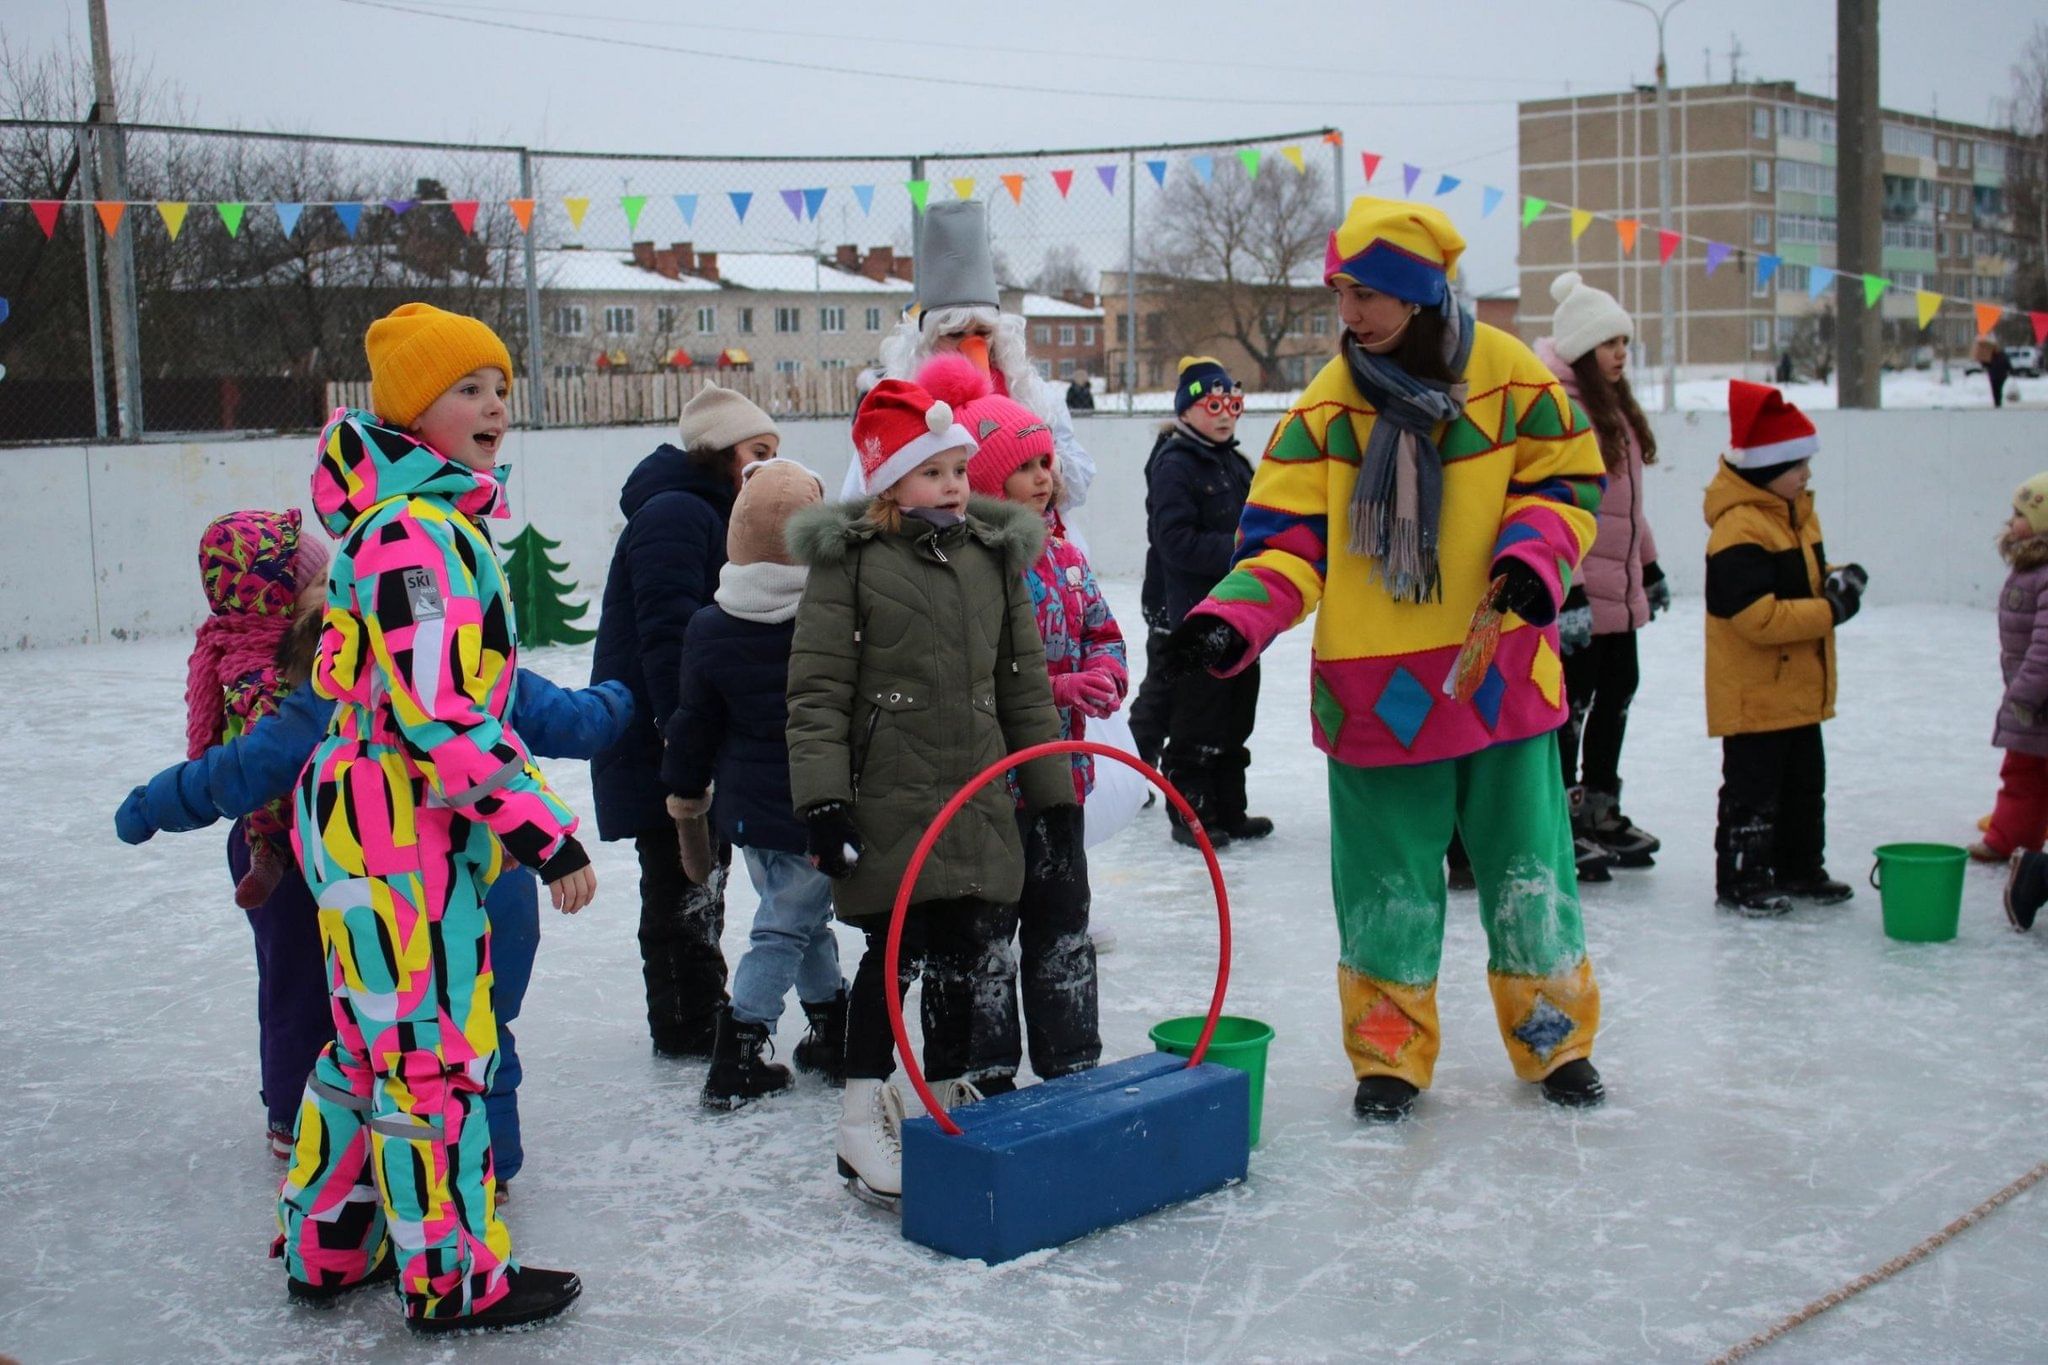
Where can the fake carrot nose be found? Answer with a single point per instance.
(975, 348)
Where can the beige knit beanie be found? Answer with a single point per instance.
(1585, 317)
(771, 493)
(719, 419)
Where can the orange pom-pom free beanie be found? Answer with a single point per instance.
(418, 351)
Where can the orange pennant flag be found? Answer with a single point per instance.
(522, 213)
(1334, 136)
(1988, 315)
(1015, 185)
(1625, 228)
(173, 215)
(576, 208)
(110, 214)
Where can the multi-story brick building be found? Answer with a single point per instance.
(1065, 335)
(1753, 167)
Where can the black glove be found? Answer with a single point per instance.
(1656, 590)
(1198, 643)
(833, 841)
(1844, 590)
(1524, 593)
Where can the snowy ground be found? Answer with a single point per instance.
(1793, 1102)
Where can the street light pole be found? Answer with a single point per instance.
(1667, 330)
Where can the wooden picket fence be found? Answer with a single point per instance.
(611, 399)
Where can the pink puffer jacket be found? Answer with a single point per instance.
(1612, 572)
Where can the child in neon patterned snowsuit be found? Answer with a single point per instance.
(1429, 458)
(406, 814)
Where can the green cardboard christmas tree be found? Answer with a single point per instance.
(540, 594)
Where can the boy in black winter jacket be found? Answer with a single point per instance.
(731, 713)
(1196, 481)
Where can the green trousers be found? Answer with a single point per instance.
(1388, 831)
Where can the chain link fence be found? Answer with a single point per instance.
(165, 280)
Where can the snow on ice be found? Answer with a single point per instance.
(1793, 1102)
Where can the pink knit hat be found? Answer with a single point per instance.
(1007, 434)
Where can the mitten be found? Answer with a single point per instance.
(832, 839)
(1656, 589)
(1092, 694)
(2021, 712)
(1575, 628)
(131, 822)
(1844, 590)
(1524, 592)
(1198, 643)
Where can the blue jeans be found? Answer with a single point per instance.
(791, 942)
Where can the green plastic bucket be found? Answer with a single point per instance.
(1238, 1042)
(1921, 886)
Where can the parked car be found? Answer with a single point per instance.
(2026, 362)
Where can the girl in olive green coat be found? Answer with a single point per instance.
(917, 663)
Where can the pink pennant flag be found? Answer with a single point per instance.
(1064, 180)
(465, 213)
(1372, 164)
(1667, 243)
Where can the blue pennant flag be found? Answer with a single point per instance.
(1158, 169)
(1445, 184)
(1205, 166)
(288, 216)
(1818, 285)
(866, 195)
(813, 201)
(1766, 268)
(686, 204)
(740, 200)
(350, 215)
(1489, 200)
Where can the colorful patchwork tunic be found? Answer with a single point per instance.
(1409, 763)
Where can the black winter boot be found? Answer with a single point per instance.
(1383, 1099)
(1743, 881)
(822, 1053)
(2026, 888)
(1595, 863)
(1575, 1085)
(1194, 774)
(739, 1073)
(1815, 888)
(1610, 829)
(1231, 770)
(535, 1295)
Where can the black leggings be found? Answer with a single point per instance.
(1600, 680)
(946, 941)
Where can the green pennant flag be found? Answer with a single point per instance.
(1532, 208)
(1250, 157)
(231, 217)
(919, 190)
(632, 204)
(1873, 290)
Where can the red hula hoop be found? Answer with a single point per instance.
(892, 959)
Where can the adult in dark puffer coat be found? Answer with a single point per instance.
(665, 568)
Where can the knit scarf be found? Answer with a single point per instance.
(232, 672)
(1398, 500)
(764, 592)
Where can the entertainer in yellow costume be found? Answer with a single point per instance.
(1430, 457)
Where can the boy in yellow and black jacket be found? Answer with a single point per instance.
(1772, 608)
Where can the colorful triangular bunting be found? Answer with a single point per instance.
(399, 207)
(1063, 181)
(1015, 185)
(576, 207)
(231, 217)
(920, 192)
(631, 205)
(1446, 183)
(46, 211)
(110, 211)
(1158, 169)
(173, 214)
(740, 200)
(1409, 175)
(1717, 252)
(1107, 174)
(963, 187)
(2040, 321)
(522, 213)
(814, 199)
(1205, 167)
(1581, 220)
(288, 217)
(1293, 155)
(686, 205)
(1372, 164)
(1532, 208)
(1667, 245)
(865, 194)
(1489, 200)
(1873, 290)
(1988, 315)
(793, 200)
(1248, 157)
(1767, 268)
(351, 216)
(1818, 280)
(1926, 303)
(465, 214)
(1625, 228)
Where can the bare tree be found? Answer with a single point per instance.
(2026, 172)
(1063, 272)
(1236, 256)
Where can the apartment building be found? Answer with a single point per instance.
(1753, 167)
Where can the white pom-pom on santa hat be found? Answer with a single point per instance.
(899, 427)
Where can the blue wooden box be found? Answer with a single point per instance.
(1049, 1163)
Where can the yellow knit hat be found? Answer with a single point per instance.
(417, 351)
(1407, 250)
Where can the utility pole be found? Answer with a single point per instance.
(1859, 205)
(1667, 332)
(113, 185)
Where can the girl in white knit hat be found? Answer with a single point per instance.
(1620, 587)
(676, 504)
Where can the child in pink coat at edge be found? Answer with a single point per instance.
(1084, 654)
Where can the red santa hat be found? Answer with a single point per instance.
(1764, 430)
(1007, 434)
(899, 427)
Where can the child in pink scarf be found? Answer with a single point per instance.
(256, 568)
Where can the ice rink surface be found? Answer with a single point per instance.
(1792, 1102)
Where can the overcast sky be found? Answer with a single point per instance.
(1428, 81)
